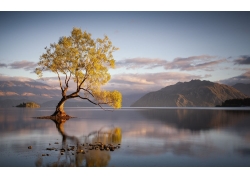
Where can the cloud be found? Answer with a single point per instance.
(27, 65)
(15, 78)
(3, 65)
(135, 63)
(242, 60)
(191, 63)
(243, 78)
(129, 83)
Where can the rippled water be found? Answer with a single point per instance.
(151, 137)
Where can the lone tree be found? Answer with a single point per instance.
(85, 61)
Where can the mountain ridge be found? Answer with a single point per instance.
(189, 94)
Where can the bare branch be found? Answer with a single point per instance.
(65, 81)
(86, 76)
(59, 80)
(98, 104)
(67, 84)
(88, 91)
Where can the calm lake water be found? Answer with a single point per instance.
(147, 137)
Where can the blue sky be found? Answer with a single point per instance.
(157, 48)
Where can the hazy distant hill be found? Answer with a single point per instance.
(244, 88)
(16, 92)
(69, 103)
(27, 89)
(193, 93)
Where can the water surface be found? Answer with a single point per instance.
(148, 137)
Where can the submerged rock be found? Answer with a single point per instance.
(29, 147)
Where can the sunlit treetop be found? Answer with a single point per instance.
(84, 60)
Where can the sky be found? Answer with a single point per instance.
(156, 48)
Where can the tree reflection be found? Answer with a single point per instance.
(91, 150)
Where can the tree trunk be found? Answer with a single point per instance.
(59, 112)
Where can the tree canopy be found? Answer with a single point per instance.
(85, 61)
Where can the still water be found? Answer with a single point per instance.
(141, 137)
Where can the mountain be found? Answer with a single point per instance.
(244, 88)
(188, 94)
(13, 93)
(27, 90)
(69, 103)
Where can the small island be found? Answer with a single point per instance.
(29, 105)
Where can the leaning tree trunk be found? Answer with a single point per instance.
(59, 112)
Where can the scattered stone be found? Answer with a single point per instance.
(56, 143)
(49, 144)
(61, 153)
(47, 154)
(29, 147)
(62, 150)
(43, 155)
(73, 154)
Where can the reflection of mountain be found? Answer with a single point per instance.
(193, 93)
(197, 119)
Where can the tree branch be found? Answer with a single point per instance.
(67, 84)
(59, 81)
(98, 104)
(87, 91)
(86, 76)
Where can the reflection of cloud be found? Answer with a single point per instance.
(27, 65)
(205, 62)
(243, 78)
(242, 60)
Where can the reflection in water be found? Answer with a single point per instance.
(197, 120)
(150, 137)
(91, 150)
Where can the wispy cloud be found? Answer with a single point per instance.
(3, 65)
(24, 64)
(15, 78)
(148, 81)
(243, 78)
(242, 60)
(135, 63)
(204, 62)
